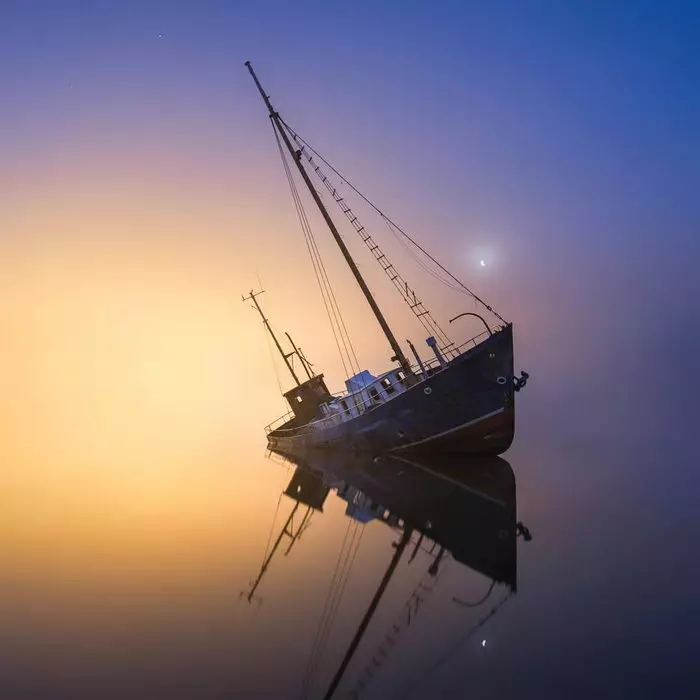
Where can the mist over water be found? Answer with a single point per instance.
(141, 194)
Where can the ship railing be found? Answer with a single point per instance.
(472, 342)
(431, 368)
(356, 404)
(279, 421)
(433, 365)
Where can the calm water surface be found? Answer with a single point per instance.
(233, 574)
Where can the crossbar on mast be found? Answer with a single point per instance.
(266, 323)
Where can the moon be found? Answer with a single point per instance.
(483, 642)
(482, 263)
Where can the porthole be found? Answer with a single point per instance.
(501, 380)
(427, 391)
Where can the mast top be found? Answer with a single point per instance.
(398, 352)
(265, 97)
(285, 356)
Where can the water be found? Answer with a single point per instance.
(140, 586)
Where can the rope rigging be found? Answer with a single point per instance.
(336, 590)
(427, 672)
(407, 293)
(462, 287)
(346, 350)
(418, 260)
(407, 614)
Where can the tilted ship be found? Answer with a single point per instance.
(461, 400)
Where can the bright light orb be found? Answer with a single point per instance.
(482, 263)
(483, 642)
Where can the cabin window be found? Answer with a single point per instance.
(401, 376)
(344, 405)
(298, 399)
(388, 387)
(374, 395)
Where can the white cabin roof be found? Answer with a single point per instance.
(359, 381)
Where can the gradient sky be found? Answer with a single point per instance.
(141, 194)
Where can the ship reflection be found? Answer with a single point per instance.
(443, 505)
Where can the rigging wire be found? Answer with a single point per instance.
(338, 594)
(426, 673)
(423, 315)
(303, 221)
(336, 590)
(408, 294)
(398, 228)
(310, 667)
(408, 612)
(333, 312)
(418, 260)
(392, 225)
(349, 563)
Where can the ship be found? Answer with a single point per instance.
(460, 400)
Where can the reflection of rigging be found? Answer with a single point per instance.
(341, 575)
(400, 547)
(426, 673)
(418, 597)
(465, 510)
(449, 508)
(305, 488)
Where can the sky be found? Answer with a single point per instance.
(141, 194)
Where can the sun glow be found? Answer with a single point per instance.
(123, 407)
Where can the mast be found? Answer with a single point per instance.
(400, 547)
(285, 356)
(305, 363)
(274, 115)
(268, 559)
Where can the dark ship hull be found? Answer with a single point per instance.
(465, 406)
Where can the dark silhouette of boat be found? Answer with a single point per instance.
(461, 400)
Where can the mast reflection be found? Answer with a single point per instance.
(444, 505)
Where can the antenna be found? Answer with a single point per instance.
(285, 356)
